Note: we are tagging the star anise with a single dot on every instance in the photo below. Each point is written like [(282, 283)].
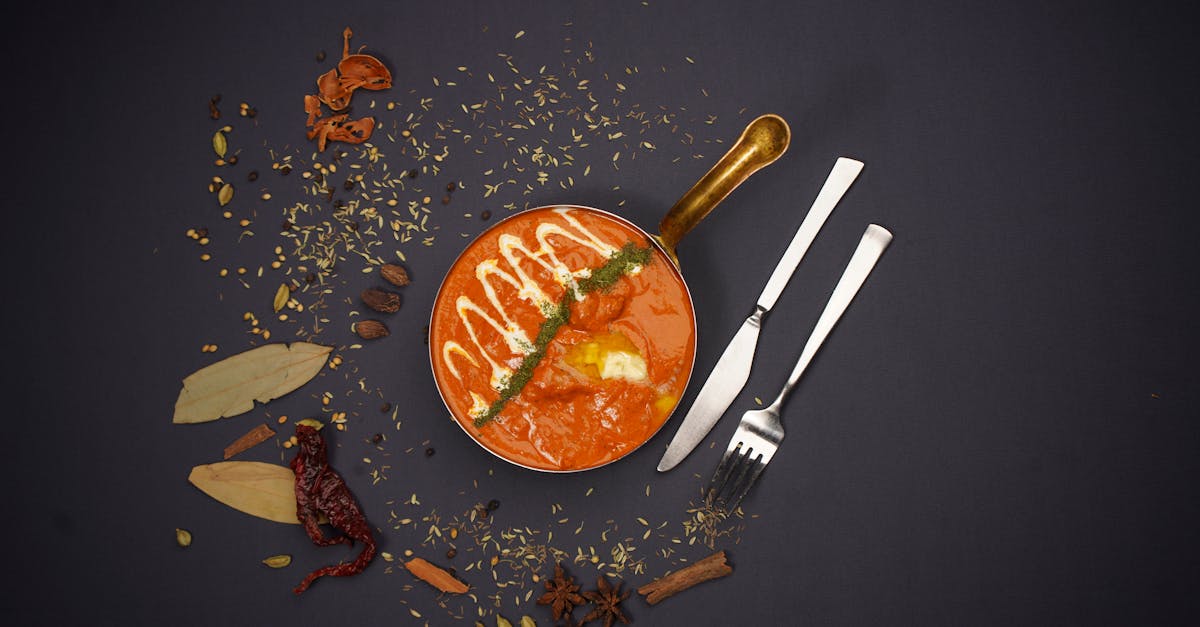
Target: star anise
[(606, 603), (562, 595)]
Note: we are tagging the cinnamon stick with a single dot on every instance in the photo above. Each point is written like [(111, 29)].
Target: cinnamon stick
[(254, 437), (434, 576), (711, 567)]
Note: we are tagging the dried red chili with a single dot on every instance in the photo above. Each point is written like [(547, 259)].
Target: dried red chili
[(321, 490)]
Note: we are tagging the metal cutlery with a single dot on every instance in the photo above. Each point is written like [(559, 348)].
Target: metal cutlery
[(729, 376), (760, 431)]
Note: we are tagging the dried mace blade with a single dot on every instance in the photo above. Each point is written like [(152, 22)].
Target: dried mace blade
[(606, 603), (562, 594)]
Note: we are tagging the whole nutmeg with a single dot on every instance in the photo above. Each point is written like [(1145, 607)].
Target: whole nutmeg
[(381, 300), (370, 329), (394, 274)]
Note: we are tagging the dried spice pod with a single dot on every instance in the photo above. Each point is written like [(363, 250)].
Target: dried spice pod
[(278, 561), (562, 594), (282, 295), (370, 329), (225, 194), (381, 300), (394, 274), (321, 491), (606, 603), (183, 537)]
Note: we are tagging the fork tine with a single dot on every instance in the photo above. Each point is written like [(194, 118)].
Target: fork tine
[(721, 476), (758, 467), (745, 463)]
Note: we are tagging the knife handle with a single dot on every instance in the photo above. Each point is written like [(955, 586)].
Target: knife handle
[(844, 172), (762, 142), (872, 245)]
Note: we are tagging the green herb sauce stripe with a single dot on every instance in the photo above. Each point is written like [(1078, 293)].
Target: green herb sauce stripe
[(621, 263)]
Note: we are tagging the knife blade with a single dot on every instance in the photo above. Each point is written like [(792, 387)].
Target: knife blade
[(732, 371)]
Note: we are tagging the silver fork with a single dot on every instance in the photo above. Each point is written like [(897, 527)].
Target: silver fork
[(760, 431)]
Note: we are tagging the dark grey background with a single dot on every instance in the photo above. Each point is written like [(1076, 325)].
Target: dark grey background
[(998, 432)]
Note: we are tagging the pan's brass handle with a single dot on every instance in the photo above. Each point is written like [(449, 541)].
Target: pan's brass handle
[(763, 141)]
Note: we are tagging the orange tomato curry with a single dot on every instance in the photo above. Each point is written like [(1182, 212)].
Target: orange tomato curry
[(611, 375)]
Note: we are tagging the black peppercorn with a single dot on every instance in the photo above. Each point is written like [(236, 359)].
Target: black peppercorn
[(493, 505), (485, 215), (429, 452), (451, 553)]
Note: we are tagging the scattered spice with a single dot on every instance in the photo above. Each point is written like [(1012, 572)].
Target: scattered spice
[(371, 329), (429, 452), (562, 595), (213, 111), (220, 144), (252, 438), (381, 300), (606, 603), (321, 490), (282, 295), (493, 505), (485, 215), (225, 194), (434, 576), (278, 561), (183, 537), (394, 274), (711, 567)]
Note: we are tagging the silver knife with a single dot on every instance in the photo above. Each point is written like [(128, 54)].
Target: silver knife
[(729, 376)]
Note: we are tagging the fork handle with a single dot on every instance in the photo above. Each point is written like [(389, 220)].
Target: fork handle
[(872, 245)]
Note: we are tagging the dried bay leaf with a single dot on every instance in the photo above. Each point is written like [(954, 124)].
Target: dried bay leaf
[(229, 387), (256, 488)]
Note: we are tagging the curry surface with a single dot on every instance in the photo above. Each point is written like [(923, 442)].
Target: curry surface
[(610, 377)]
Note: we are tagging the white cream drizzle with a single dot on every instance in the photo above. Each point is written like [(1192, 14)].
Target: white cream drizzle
[(451, 348), (513, 249)]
